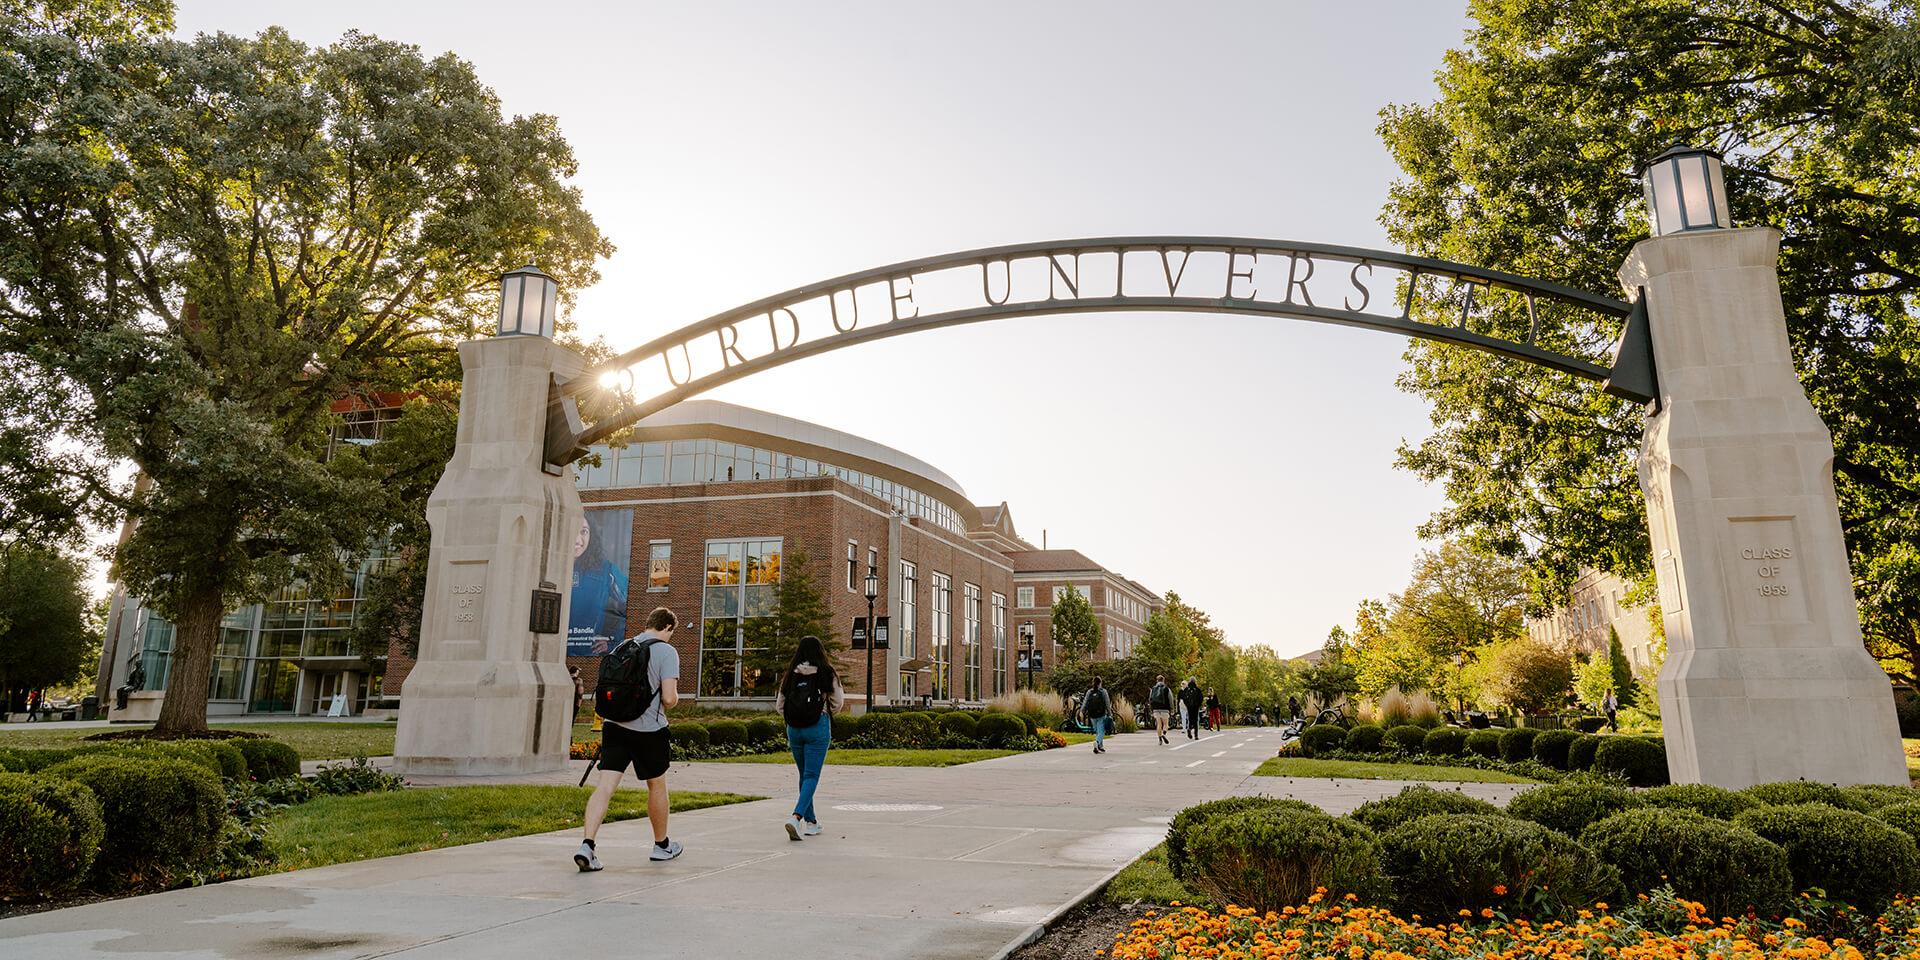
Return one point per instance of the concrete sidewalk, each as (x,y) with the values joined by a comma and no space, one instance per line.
(915,863)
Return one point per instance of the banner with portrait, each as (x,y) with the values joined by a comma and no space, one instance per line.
(602,556)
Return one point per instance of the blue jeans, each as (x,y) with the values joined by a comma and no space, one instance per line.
(1099,732)
(809,746)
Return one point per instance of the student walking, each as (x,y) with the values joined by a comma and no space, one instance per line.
(1098,710)
(1612,704)
(1293,708)
(809,696)
(1160,700)
(639,681)
(1213,711)
(1190,701)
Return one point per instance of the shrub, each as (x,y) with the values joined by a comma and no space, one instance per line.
(692,734)
(1701,798)
(726,733)
(1279,856)
(1855,858)
(1726,867)
(50,833)
(846,726)
(218,756)
(999,729)
(269,759)
(1570,807)
(1786,793)
(1408,739)
(288,791)
(1445,742)
(765,730)
(162,816)
(1200,813)
(1413,803)
(1580,751)
(1517,744)
(1443,864)
(1904,817)
(1322,737)
(1643,763)
(1550,747)
(961,725)
(1121,716)
(1485,743)
(1868,797)
(358,775)
(1365,738)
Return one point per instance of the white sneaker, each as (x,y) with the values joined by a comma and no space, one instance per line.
(793,828)
(811,830)
(586,859)
(673,850)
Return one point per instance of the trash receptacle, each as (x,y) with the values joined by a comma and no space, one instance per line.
(89,708)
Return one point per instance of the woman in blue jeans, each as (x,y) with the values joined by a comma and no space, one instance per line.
(809,694)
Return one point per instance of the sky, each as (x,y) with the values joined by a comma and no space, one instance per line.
(734,150)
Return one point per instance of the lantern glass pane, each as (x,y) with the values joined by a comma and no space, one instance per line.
(1696,198)
(1717,193)
(1666,199)
(510,303)
(530,304)
(548,311)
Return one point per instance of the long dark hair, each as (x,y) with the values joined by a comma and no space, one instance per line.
(811,650)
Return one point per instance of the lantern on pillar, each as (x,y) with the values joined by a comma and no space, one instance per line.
(528,302)
(1686,191)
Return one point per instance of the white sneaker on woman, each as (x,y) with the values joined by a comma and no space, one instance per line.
(810,830)
(793,828)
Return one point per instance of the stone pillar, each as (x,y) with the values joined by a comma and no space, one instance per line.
(489,696)
(1766,678)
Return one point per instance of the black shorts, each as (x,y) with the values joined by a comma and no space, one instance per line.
(647,753)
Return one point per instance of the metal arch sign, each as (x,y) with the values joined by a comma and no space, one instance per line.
(1374,289)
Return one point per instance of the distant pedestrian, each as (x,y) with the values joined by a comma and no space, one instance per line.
(1160,700)
(1191,700)
(579,691)
(1293,708)
(33,705)
(809,695)
(1213,711)
(1612,705)
(1098,711)
(639,682)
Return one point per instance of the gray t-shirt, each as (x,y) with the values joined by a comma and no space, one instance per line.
(663,663)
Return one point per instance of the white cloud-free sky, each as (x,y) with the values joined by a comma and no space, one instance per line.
(734,150)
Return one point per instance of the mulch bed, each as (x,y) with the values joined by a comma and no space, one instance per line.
(10,908)
(201,735)
(1092,926)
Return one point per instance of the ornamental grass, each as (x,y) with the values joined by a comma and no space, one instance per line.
(1659,927)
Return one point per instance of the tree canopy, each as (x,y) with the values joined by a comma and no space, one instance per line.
(207,248)
(1076,631)
(45,638)
(1525,163)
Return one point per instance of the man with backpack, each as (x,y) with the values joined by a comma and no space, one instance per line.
(1098,710)
(1190,703)
(639,681)
(1160,700)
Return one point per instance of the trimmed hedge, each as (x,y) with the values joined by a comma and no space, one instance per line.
(994,729)
(1202,813)
(1366,738)
(269,759)
(1445,742)
(1517,744)
(765,730)
(1408,738)
(1485,743)
(961,725)
(1643,763)
(50,832)
(1278,856)
(1580,751)
(1855,858)
(1322,736)
(162,816)
(1904,817)
(846,726)
(1413,803)
(691,734)
(1570,807)
(1868,797)
(1728,868)
(1786,793)
(1550,747)
(1443,864)
(722,733)
(1701,798)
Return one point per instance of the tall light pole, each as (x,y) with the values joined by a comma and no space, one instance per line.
(873,634)
(1026,638)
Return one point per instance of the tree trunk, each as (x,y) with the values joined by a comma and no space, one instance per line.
(189,679)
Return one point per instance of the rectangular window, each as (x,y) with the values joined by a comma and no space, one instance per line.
(659,564)
(970,638)
(737,628)
(873,562)
(1059,592)
(909,613)
(853,563)
(999,644)
(1023,597)
(942,635)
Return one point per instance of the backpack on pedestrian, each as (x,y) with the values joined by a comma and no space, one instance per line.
(1095,706)
(805,701)
(1161,697)
(625,690)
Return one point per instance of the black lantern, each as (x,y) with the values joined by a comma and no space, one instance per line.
(1686,191)
(528,302)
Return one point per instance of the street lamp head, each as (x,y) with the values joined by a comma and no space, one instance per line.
(528,303)
(1686,191)
(872,584)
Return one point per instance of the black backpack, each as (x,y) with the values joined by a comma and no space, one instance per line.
(624,690)
(805,700)
(1095,705)
(1160,697)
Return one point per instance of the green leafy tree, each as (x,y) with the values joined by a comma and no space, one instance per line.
(1593,679)
(1220,673)
(1521,164)
(1335,677)
(1167,641)
(1523,674)
(1266,679)
(1076,631)
(1194,623)
(205,244)
(1621,669)
(45,638)
(800,609)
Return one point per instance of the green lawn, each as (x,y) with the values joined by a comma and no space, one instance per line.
(344,829)
(1073,738)
(882,758)
(316,740)
(1360,770)
(1148,880)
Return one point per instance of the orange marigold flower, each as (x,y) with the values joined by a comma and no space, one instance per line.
(1499,889)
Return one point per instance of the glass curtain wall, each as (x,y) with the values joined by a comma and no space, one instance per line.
(942,636)
(909,618)
(999,644)
(971,638)
(737,628)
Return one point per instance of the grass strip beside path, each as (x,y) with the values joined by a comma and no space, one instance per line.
(1148,880)
(1360,770)
(315,740)
(328,830)
(880,758)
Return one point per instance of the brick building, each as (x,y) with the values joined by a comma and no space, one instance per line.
(1041,577)
(1596,602)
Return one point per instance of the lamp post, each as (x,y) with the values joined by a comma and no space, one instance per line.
(1686,191)
(872,585)
(1026,639)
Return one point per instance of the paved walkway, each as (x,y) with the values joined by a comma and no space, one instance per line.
(924,863)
